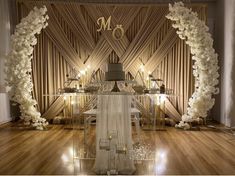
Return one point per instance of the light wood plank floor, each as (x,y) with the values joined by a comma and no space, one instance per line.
(178,152)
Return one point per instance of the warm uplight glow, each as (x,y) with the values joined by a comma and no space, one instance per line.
(65,97)
(149,72)
(88,67)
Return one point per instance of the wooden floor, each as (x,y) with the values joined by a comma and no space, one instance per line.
(29,152)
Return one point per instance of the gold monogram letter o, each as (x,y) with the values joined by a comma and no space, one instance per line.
(118,27)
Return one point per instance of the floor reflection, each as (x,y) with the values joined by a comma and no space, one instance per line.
(160,161)
(149,157)
(67,158)
(171,152)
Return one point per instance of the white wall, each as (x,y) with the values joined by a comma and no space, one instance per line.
(4,48)
(224,109)
(229,59)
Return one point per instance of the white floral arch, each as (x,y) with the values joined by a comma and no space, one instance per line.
(18,65)
(205,69)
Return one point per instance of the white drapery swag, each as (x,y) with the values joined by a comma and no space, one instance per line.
(114,114)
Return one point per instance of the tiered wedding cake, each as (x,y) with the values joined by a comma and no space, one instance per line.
(115,72)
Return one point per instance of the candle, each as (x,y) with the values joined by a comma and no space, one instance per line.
(124,149)
(147,80)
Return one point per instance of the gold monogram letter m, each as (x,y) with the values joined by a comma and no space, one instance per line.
(104,25)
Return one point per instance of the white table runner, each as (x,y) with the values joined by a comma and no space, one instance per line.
(114,114)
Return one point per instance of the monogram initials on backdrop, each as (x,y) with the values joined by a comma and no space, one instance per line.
(105,25)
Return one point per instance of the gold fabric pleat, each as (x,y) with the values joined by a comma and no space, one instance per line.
(71,41)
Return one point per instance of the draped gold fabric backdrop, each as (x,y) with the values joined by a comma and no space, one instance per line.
(71,41)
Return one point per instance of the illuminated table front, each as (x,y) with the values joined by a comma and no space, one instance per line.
(119,147)
(91,116)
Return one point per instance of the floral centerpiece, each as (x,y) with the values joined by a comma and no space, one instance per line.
(205,69)
(18,65)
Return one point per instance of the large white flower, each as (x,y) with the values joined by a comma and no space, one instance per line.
(18,65)
(195,32)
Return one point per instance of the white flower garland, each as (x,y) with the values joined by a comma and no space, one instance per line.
(205,69)
(18,65)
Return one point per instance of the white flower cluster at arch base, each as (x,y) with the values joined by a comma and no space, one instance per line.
(205,69)
(18,66)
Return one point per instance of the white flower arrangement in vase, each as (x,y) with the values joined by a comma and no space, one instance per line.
(18,66)
(205,69)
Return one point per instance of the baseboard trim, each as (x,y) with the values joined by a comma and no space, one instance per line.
(5,123)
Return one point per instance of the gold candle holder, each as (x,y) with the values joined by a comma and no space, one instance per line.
(104,144)
(121,148)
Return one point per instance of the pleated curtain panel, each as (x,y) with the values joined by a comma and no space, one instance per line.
(71,39)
